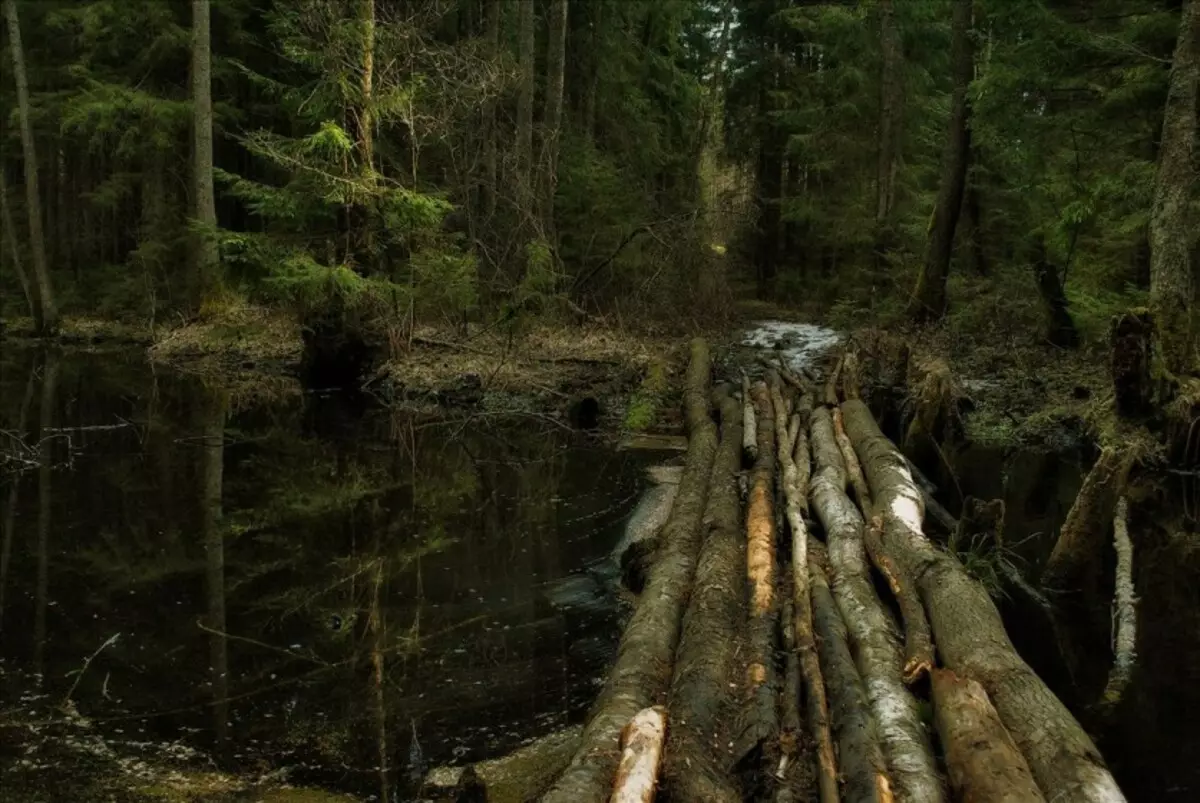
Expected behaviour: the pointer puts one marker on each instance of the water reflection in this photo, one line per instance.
(352, 595)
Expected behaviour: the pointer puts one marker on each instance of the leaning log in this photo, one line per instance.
(970, 634)
(984, 763)
(760, 722)
(697, 746)
(642, 670)
(860, 756)
(641, 752)
(910, 759)
(1124, 612)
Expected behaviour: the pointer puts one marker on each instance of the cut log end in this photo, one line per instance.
(641, 754)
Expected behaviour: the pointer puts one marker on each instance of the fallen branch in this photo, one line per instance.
(643, 665)
(700, 695)
(876, 645)
(1124, 611)
(749, 430)
(641, 753)
(861, 758)
(981, 758)
(970, 634)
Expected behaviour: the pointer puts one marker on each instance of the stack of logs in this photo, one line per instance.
(765, 661)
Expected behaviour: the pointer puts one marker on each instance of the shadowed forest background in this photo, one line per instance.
(382, 163)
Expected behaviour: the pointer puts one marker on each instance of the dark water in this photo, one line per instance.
(295, 582)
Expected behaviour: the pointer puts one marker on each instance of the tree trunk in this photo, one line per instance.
(641, 754)
(212, 474)
(8, 230)
(556, 53)
(643, 666)
(14, 486)
(1170, 261)
(970, 635)
(525, 60)
(876, 646)
(47, 321)
(1060, 326)
(208, 278)
(928, 301)
(491, 144)
(700, 702)
(891, 121)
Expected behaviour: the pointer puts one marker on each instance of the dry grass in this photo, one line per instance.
(236, 332)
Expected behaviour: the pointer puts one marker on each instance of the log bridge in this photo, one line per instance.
(799, 637)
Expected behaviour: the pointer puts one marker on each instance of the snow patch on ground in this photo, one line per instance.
(800, 344)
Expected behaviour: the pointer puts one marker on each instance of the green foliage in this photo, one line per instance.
(647, 400)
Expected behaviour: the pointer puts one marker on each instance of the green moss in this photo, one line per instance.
(647, 400)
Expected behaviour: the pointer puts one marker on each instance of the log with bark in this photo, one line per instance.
(984, 763)
(760, 722)
(970, 635)
(877, 650)
(641, 753)
(795, 488)
(700, 701)
(517, 777)
(642, 670)
(860, 755)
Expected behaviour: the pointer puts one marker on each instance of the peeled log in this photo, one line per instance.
(642, 669)
(700, 699)
(877, 651)
(760, 724)
(642, 746)
(749, 430)
(1124, 611)
(859, 753)
(970, 635)
(984, 763)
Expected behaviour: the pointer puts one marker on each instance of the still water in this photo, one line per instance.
(304, 585)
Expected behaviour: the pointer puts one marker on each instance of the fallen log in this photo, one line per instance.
(517, 777)
(697, 746)
(795, 486)
(970, 634)
(1124, 612)
(641, 753)
(642, 669)
(877, 651)
(749, 430)
(933, 507)
(860, 756)
(760, 722)
(983, 762)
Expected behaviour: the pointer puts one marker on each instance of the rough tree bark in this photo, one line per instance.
(928, 301)
(526, 44)
(891, 123)
(1170, 261)
(642, 669)
(8, 231)
(556, 53)
(970, 635)
(46, 318)
(877, 650)
(491, 142)
(860, 756)
(704, 666)
(981, 757)
(207, 267)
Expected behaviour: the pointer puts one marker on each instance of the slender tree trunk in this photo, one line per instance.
(556, 52)
(364, 216)
(212, 474)
(208, 278)
(9, 232)
(1170, 262)
(47, 322)
(46, 419)
(525, 59)
(928, 302)
(891, 121)
(596, 8)
(491, 140)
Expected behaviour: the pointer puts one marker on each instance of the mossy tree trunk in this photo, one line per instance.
(1170, 261)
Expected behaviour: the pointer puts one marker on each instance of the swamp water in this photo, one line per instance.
(299, 588)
